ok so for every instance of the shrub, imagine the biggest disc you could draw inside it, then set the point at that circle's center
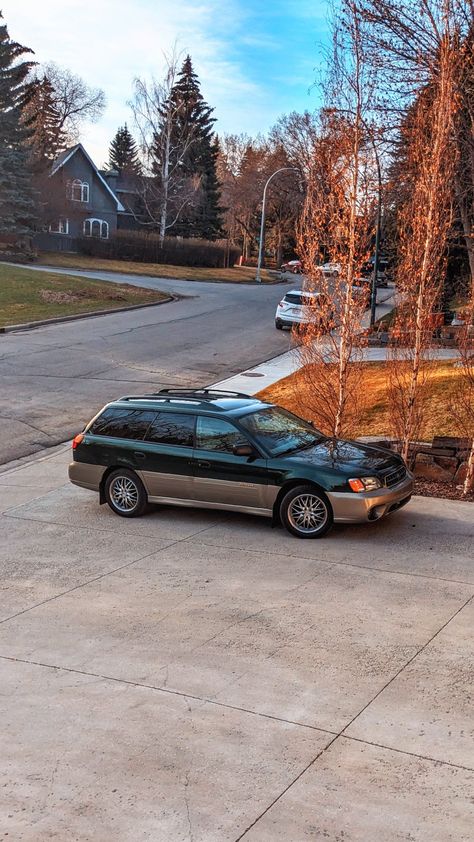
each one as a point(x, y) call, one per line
point(144, 247)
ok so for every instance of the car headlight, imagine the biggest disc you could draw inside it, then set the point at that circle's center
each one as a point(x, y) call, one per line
point(365, 483)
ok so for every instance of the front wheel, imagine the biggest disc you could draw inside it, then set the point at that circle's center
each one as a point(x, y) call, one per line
point(306, 512)
point(125, 493)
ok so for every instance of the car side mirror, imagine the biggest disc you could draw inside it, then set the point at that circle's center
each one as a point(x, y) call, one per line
point(242, 450)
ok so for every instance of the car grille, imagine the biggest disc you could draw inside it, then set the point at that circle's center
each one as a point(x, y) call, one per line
point(395, 476)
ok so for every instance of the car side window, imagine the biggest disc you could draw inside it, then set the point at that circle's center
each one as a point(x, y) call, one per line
point(215, 434)
point(173, 428)
point(122, 423)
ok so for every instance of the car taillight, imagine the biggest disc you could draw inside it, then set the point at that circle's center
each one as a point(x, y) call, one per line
point(77, 440)
point(281, 303)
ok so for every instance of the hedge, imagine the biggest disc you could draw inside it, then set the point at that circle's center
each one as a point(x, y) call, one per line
point(144, 247)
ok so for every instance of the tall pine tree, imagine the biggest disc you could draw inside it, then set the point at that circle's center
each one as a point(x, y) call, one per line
point(17, 208)
point(123, 153)
point(41, 115)
point(193, 121)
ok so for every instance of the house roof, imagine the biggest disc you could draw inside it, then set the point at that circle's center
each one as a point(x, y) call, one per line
point(68, 154)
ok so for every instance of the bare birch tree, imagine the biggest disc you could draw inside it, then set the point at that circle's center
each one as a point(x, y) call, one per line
point(424, 224)
point(461, 405)
point(165, 189)
point(337, 227)
point(404, 40)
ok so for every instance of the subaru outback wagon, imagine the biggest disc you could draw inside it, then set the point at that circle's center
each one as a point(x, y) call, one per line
point(225, 450)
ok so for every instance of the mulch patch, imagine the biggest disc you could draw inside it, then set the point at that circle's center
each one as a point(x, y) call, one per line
point(430, 488)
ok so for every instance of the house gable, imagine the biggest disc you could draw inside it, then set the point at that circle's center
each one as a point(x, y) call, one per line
point(75, 163)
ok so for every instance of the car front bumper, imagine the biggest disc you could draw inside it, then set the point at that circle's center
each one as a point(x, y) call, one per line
point(355, 507)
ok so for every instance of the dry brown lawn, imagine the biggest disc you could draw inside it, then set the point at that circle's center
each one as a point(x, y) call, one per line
point(234, 275)
point(375, 419)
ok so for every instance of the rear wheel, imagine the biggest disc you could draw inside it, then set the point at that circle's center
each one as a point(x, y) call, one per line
point(306, 512)
point(125, 493)
point(278, 324)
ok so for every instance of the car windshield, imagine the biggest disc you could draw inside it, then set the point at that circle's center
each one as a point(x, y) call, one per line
point(278, 431)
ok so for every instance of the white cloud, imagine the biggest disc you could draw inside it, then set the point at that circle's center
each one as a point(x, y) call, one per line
point(110, 42)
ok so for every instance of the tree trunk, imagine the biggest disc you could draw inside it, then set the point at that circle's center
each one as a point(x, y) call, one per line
point(469, 481)
point(165, 179)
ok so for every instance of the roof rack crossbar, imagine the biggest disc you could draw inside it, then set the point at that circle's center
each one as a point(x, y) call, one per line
point(181, 391)
point(155, 396)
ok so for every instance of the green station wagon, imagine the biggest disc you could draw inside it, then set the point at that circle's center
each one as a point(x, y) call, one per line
point(225, 450)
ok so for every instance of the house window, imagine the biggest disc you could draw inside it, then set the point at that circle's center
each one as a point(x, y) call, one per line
point(78, 190)
point(96, 228)
point(60, 227)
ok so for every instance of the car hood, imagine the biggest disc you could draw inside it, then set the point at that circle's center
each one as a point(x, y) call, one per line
point(350, 457)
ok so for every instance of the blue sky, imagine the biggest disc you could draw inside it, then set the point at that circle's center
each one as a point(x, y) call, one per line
point(257, 59)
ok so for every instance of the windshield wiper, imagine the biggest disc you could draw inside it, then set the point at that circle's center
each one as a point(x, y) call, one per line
point(302, 446)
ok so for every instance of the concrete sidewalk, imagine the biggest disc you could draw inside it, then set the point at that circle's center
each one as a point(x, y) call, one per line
point(260, 376)
point(198, 676)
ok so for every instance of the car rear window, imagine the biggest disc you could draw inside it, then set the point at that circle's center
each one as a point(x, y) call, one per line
point(174, 428)
point(293, 298)
point(306, 300)
point(122, 423)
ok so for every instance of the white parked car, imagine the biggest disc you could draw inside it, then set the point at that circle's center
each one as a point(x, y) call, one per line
point(298, 308)
point(330, 269)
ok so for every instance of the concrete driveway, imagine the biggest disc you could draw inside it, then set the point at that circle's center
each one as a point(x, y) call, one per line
point(200, 676)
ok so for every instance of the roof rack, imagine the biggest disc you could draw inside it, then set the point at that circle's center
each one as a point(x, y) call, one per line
point(155, 396)
point(191, 395)
point(208, 394)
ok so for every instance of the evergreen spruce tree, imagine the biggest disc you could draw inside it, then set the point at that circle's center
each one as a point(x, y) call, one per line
point(210, 221)
point(42, 118)
point(123, 153)
point(17, 207)
point(193, 131)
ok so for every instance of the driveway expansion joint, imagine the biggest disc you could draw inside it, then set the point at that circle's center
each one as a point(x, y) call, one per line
point(342, 564)
point(426, 757)
point(179, 693)
point(341, 733)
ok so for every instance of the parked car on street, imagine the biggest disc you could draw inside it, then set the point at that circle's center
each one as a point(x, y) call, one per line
point(298, 307)
point(293, 266)
point(226, 450)
point(330, 269)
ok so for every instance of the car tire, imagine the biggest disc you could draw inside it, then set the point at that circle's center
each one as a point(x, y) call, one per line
point(306, 512)
point(125, 493)
point(278, 325)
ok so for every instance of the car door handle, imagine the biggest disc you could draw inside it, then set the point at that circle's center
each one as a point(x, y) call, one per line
point(138, 454)
point(204, 464)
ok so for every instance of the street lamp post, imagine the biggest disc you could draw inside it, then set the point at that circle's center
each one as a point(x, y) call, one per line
point(258, 277)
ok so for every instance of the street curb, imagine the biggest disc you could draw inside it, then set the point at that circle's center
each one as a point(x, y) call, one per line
point(63, 270)
point(60, 319)
point(40, 455)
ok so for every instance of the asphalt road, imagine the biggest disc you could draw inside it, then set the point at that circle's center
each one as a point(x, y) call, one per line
point(54, 378)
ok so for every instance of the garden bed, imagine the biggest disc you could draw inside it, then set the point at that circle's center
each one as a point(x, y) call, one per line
point(434, 461)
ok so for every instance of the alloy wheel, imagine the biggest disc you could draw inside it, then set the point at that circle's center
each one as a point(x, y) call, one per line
point(307, 513)
point(124, 494)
